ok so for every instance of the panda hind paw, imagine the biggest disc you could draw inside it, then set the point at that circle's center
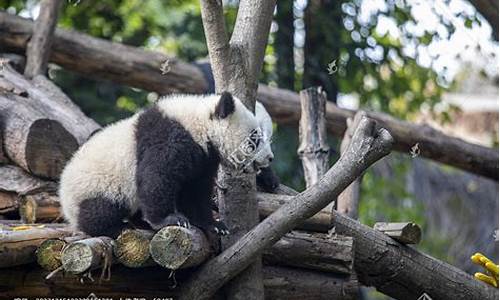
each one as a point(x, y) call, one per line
point(176, 219)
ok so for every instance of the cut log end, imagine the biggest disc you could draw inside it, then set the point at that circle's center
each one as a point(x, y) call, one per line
point(405, 232)
point(132, 248)
point(175, 247)
point(48, 147)
point(48, 254)
point(87, 254)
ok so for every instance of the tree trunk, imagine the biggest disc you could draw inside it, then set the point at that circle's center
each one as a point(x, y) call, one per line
point(111, 61)
point(38, 49)
point(9, 202)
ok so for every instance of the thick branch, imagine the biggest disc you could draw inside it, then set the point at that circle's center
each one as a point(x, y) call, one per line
point(38, 49)
point(249, 40)
point(368, 146)
point(217, 42)
point(348, 200)
point(111, 61)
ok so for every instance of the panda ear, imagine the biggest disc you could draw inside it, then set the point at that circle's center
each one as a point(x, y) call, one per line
point(225, 106)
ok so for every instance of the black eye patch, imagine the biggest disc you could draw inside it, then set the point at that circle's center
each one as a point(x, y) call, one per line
point(255, 137)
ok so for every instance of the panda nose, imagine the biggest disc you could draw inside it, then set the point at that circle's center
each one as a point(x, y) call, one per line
point(270, 158)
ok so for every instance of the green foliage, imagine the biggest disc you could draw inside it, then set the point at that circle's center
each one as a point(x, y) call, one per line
point(386, 199)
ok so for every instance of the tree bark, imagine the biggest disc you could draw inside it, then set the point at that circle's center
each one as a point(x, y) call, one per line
point(313, 149)
point(41, 126)
point(18, 247)
point(402, 272)
point(279, 283)
point(348, 200)
point(38, 49)
point(14, 179)
point(178, 248)
point(368, 146)
point(269, 203)
point(236, 65)
point(111, 61)
point(9, 202)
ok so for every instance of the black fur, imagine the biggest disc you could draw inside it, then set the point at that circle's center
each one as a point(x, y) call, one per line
point(267, 180)
point(174, 176)
point(101, 216)
point(225, 107)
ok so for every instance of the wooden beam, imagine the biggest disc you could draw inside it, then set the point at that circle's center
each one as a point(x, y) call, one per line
point(38, 49)
point(313, 148)
point(156, 282)
point(140, 68)
point(404, 232)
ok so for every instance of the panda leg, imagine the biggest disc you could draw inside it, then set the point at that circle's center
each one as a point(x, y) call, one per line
point(102, 217)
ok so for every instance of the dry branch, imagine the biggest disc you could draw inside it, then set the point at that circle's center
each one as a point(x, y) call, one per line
point(9, 202)
point(368, 145)
point(38, 49)
point(279, 283)
point(111, 61)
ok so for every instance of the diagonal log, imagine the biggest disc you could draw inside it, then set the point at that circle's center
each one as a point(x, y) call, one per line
point(140, 68)
point(367, 146)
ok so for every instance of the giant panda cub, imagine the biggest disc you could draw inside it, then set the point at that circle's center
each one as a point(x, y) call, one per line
point(161, 163)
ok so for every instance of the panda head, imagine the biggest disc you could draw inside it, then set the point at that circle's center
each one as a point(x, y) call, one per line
point(237, 134)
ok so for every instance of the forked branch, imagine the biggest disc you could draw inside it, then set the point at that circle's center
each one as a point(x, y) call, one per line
point(368, 145)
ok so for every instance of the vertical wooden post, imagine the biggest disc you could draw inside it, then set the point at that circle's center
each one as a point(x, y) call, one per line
point(38, 49)
point(313, 148)
point(348, 200)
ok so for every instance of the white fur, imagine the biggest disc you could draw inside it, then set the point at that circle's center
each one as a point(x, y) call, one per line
point(106, 164)
point(265, 155)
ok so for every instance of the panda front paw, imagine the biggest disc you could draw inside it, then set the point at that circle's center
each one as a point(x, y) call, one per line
point(220, 228)
point(175, 219)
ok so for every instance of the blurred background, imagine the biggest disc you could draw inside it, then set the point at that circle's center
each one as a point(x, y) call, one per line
point(421, 61)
